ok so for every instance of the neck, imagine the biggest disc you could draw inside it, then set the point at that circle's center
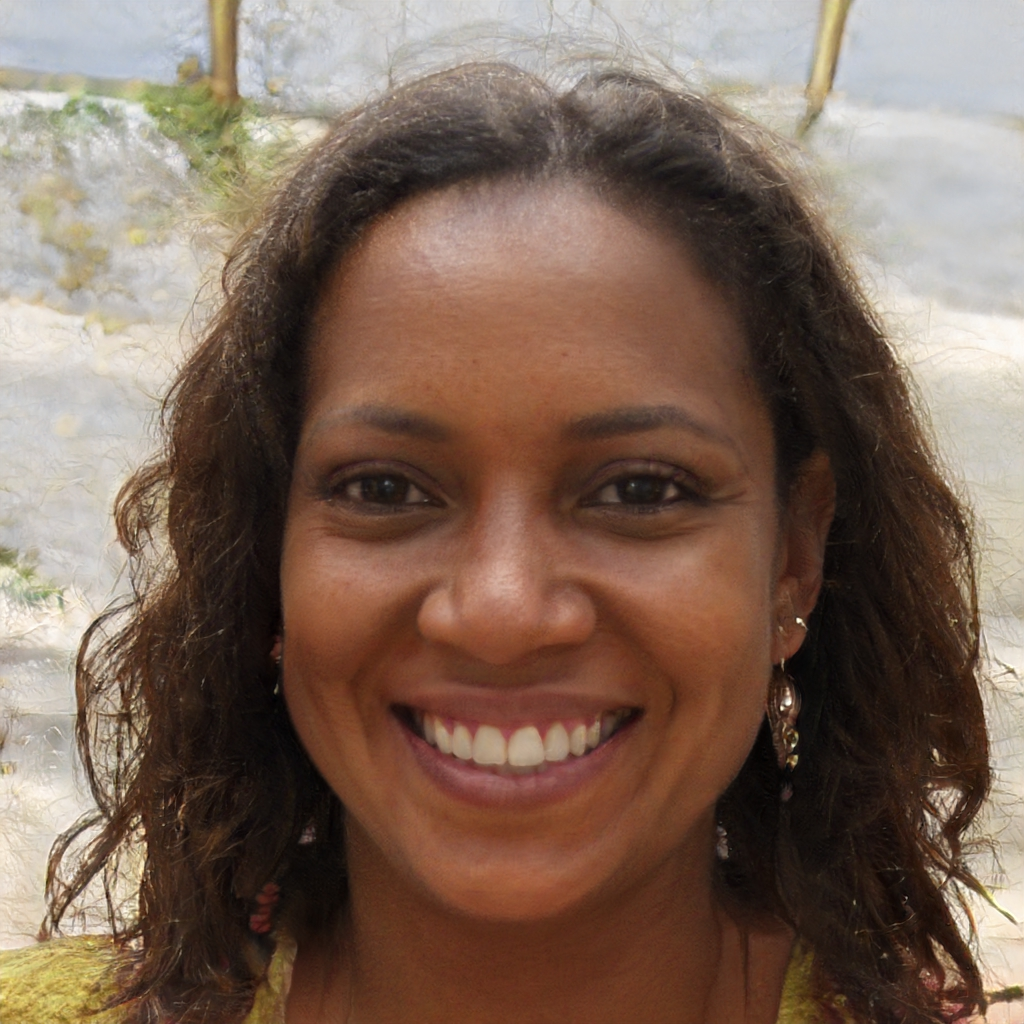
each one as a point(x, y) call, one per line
point(662, 950)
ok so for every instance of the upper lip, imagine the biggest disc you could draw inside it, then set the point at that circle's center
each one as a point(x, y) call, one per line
point(512, 707)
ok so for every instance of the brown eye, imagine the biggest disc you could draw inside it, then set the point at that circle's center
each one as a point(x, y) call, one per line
point(639, 491)
point(384, 489)
point(643, 490)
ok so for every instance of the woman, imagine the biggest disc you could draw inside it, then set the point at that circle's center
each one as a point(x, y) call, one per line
point(547, 605)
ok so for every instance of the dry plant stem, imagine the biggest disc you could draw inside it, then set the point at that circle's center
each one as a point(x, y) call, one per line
point(224, 50)
point(831, 22)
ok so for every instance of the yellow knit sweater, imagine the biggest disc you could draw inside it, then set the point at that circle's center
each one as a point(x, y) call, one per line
point(65, 981)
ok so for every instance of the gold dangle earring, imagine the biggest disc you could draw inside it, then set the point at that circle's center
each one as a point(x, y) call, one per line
point(783, 709)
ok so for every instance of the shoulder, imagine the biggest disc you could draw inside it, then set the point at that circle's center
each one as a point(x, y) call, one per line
point(62, 981)
point(801, 1006)
point(67, 981)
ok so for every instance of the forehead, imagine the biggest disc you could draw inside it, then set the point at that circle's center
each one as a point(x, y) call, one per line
point(542, 291)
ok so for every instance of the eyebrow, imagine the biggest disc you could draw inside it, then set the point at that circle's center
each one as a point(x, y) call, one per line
point(385, 418)
point(596, 427)
point(639, 420)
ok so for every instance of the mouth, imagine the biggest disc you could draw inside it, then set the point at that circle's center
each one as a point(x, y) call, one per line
point(528, 749)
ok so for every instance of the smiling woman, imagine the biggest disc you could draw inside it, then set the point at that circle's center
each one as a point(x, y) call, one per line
point(562, 617)
point(533, 504)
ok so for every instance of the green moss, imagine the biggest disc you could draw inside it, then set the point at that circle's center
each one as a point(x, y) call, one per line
point(42, 208)
point(85, 109)
point(20, 583)
point(231, 167)
point(211, 135)
point(50, 203)
point(81, 114)
point(1007, 995)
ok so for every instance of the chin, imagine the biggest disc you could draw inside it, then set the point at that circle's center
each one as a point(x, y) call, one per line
point(513, 895)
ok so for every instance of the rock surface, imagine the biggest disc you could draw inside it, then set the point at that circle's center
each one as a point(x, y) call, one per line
point(80, 390)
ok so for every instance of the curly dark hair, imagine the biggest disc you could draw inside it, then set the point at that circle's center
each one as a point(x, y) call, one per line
point(190, 753)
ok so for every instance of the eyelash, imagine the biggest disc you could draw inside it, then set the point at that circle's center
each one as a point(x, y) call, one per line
point(353, 491)
point(663, 478)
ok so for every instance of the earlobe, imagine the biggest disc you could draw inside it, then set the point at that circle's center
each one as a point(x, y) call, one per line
point(808, 519)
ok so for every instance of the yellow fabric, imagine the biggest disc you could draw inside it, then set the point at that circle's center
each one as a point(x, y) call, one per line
point(64, 981)
point(57, 982)
point(797, 1005)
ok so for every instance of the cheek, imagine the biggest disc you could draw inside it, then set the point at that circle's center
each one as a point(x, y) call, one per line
point(340, 618)
point(341, 602)
point(701, 602)
point(725, 630)
point(729, 631)
point(704, 618)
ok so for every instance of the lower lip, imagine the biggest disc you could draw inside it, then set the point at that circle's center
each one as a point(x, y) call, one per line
point(464, 781)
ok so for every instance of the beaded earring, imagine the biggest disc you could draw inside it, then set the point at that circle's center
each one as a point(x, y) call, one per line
point(261, 920)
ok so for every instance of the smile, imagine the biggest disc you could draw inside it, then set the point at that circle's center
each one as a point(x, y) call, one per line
point(527, 750)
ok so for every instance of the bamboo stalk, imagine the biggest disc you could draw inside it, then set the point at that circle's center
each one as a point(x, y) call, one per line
point(224, 50)
point(831, 22)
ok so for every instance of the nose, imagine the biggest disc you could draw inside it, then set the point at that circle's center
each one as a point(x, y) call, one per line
point(507, 595)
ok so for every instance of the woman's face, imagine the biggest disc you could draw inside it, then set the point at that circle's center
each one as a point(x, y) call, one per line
point(534, 569)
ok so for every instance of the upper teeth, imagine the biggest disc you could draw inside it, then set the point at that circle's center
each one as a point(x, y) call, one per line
point(525, 747)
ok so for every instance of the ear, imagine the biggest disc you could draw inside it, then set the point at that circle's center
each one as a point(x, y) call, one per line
point(806, 521)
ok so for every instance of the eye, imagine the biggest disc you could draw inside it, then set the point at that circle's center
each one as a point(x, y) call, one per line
point(383, 489)
point(639, 490)
point(642, 492)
